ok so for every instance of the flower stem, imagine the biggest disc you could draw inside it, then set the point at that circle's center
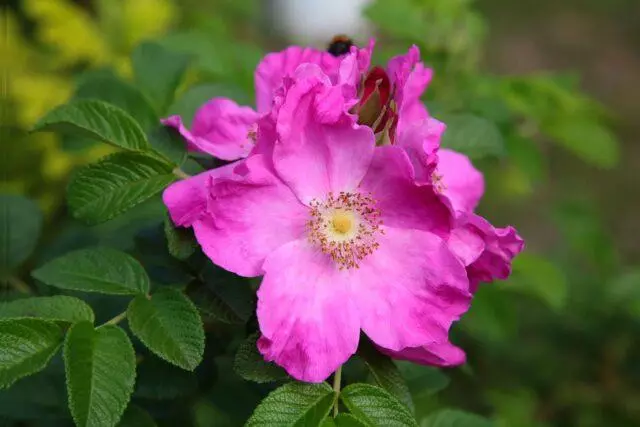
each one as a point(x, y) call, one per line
point(337, 376)
point(181, 174)
point(119, 318)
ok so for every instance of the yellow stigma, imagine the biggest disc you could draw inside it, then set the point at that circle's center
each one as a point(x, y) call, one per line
point(342, 222)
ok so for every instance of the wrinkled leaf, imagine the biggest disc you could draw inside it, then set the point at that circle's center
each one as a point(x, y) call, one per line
point(102, 270)
point(169, 325)
point(100, 366)
point(374, 406)
point(26, 346)
point(114, 91)
point(57, 308)
point(251, 366)
point(117, 183)
point(294, 404)
point(98, 120)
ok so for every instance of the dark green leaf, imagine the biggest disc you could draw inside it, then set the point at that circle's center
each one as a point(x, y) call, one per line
point(169, 143)
point(251, 366)
point(180, 241)
point(422, 379)
point(26, 345)
point(169, 324)
point(117, 183)
point(455, 418)
point(374, 406)
point(473, 136)
point(121, 94)
point(58, 308)
point(135, 416)
point(385, 372)
point(294, 404)
point(349, 420)
point(20, 225)
point(100, 270)
point(101, 367)
point(226, 297)
point(158, 73)
point(160, 380)
point(98, 120)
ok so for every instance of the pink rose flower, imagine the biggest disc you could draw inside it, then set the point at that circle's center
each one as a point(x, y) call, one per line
point(227, 130)
point(345, 237)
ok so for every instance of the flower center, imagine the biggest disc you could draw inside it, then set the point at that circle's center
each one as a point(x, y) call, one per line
point(345, 227)
point(342, 222)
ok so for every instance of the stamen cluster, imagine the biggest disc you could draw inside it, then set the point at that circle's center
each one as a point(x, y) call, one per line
point(347, 246)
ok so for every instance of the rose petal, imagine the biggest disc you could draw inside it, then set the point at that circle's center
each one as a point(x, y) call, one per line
point(307, 315)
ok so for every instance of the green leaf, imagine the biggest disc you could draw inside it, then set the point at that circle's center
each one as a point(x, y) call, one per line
point(20, 225)
point(114, 91)
point(539, 277)
point(102, 270)
point(473, 136)
point(135, 416)
point(348, 420)
point(251, 366)
point(455, 418)
point(169, 143)
point(374, 406)
point(225, 297)
point(98, 120)
point(58, 308)
point(160, 380)
point(385, 372)
point(587, 139)
point(422, 379)
point(169, 324)
point(26, 346)
point(294, 404)
point(116, 184)
point(180, 241)
point(158, 72)
point(100, 365)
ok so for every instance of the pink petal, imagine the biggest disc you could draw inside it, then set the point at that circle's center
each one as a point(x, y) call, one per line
point(250, 214)
point(410, 78)
point(466, 243)
point(463, 184)
point(421, 141)
point(275, 66)
point(306, 311)
point(435, 354)
point(501, 246)
point(312, 155)
point(401, 201)
point(410, 290)
point(222, 128)
point(186, 200)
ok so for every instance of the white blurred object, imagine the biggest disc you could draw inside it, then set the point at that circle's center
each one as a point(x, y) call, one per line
point(315, 22)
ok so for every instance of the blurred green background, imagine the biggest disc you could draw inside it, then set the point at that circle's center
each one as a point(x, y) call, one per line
point(556, 85)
